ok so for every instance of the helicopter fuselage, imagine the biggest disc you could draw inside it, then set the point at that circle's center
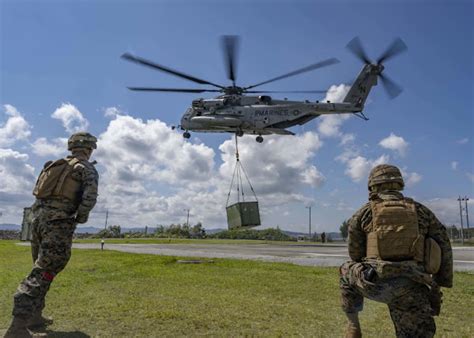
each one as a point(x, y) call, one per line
point(258, 115)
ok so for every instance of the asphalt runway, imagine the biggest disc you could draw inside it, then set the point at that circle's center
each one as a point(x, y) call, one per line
point(301, 254)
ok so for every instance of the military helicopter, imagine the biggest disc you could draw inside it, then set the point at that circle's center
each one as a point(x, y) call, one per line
point(236, 112)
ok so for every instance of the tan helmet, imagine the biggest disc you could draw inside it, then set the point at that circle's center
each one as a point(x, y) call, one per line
point(82, 140)
point(385, 174)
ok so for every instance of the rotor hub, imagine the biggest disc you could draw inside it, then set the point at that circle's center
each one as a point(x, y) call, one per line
point(233, 90)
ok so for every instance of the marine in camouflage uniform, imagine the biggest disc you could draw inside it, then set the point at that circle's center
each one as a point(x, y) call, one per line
point(54, 220)
point(413, 296)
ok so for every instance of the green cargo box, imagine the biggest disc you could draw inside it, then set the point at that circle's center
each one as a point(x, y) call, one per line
point(243, 215)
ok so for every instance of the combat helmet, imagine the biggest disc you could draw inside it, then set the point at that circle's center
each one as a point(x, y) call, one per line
point(385, 174)
point(82, 140)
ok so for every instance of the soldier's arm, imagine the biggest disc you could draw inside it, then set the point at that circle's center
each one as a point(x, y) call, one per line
point(357, 242)
point(438, 232)
point(90, 182)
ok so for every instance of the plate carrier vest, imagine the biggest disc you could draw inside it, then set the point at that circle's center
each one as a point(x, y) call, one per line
point(55, 181)
point(395, 234)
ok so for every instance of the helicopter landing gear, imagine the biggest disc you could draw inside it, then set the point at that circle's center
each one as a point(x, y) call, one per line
point(186, 135)
point(239, 133)
point(259, 139)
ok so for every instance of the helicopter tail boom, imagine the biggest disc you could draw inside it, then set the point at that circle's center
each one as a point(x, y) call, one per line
point(360, 90)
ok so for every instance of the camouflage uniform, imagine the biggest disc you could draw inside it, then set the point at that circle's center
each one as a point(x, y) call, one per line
point(55, 217)
point(403, 286)
point(54, 222)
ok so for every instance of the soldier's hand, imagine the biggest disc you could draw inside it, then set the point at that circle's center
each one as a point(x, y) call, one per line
point(82, 218)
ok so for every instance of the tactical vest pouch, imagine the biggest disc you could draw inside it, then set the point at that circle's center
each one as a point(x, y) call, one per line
point(432, 256)
point(55, 181)
point(394, 234)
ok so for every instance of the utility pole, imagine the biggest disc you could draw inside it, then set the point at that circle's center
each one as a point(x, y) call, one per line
point(460, 214)
point(467, 212)
point(187, 218)
point(309, 222)
point(106, 218)
point(465, 199)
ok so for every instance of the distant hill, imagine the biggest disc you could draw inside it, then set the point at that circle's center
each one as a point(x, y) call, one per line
point(6, 226)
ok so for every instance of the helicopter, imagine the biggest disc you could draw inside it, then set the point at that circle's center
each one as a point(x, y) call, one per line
point(235, 111)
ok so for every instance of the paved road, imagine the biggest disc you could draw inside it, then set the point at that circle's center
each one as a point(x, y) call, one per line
point(311, 254)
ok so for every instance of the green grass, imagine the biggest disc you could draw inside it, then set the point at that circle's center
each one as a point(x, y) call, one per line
point(106, 293)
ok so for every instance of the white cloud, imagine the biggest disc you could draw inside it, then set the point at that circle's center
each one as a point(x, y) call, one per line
point(411, 178)
point(329, 125)
point(463, 141)
point(447, 209)
point(454, 165)
point(17, 175)
point(42, 147)
point(395, 143)
point(16, 128)
point(313, 177)
point(358, 168)
point(111, 112)
point(71, 117)
point(347, 138)
point(149, 173)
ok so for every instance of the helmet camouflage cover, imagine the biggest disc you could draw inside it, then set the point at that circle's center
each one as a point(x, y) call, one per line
point(383, 174)
point(82, 140)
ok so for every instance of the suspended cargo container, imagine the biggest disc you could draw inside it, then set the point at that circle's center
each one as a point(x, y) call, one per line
point(242, 214)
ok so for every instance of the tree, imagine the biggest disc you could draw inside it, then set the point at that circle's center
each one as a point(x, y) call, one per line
point(344, 229)
point(197, 231)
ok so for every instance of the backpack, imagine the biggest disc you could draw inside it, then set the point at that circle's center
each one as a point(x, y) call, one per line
point(394, 234)
point(54, 180)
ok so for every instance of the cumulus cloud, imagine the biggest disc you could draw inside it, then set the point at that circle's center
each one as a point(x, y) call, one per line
point(446, 209)
point(71, 118)
point(57, 147)
point(463, 140)
point(358, 168)
point(411, 178)
point(17, 175)
point(111, 112)
point(280, 164)
point(16, 128)
point(395, 143)
point(329, 125)
point(150, 174)
point(454, 165)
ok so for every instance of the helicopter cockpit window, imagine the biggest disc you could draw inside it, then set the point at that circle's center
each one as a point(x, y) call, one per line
point(265, 99)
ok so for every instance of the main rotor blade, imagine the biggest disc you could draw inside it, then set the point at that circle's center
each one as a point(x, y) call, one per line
point(153, 65)
point(230, 44)
point(393, 89)
point(288, 91)
point(355, 46)
point(397, 47)
point(314, 66)
point(176, 90)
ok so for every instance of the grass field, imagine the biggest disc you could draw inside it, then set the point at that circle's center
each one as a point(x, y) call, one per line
point(113, 294)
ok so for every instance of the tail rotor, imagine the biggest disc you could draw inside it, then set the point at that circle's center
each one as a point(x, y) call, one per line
point(395, 48)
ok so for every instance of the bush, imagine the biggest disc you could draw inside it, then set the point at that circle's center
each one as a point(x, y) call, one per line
point(267, 234)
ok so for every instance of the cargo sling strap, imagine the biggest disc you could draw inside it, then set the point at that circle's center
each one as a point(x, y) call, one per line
point(237, 178)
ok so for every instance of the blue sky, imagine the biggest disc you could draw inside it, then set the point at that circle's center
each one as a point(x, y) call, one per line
point(58, 52)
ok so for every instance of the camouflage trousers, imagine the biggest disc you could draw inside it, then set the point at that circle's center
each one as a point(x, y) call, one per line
point(408, 301)
point(51, 249)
